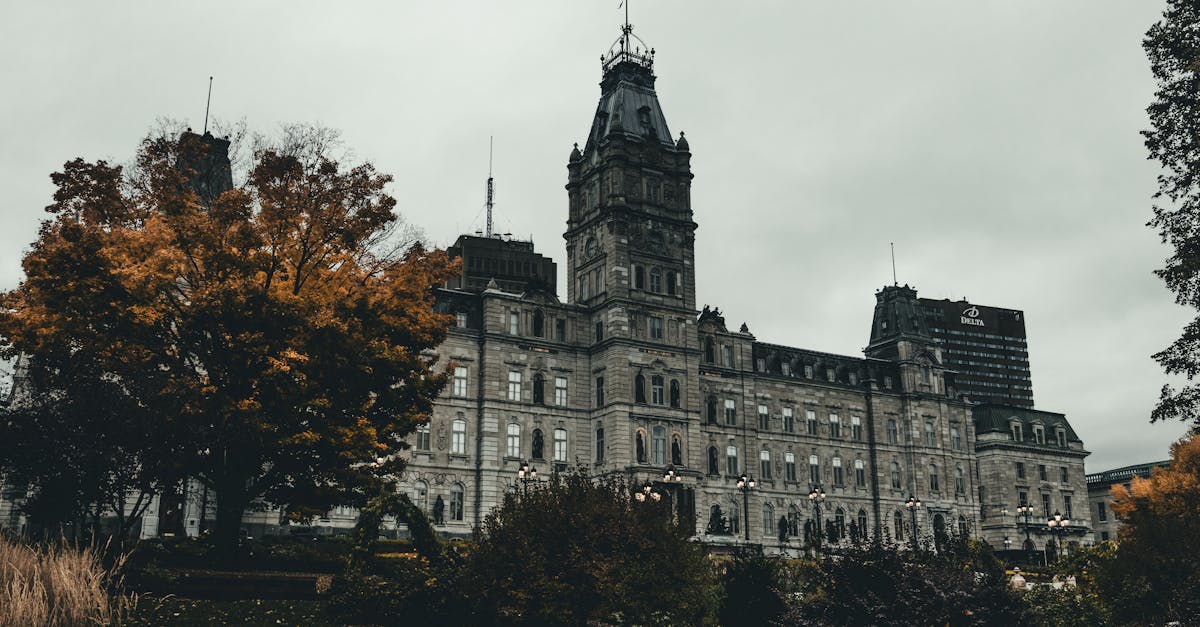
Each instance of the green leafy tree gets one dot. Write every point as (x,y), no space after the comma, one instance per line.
(756,588)
(273,329)
(1173,48)
(577,551)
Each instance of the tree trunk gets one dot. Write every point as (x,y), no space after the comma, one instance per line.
(231,505)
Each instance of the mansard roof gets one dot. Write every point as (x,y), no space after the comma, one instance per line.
(774,355)
(629,106)
(996,418)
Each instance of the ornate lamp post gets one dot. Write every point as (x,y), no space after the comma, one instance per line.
(816,496)
(1058,526)
(525,474)
(647,492)
(1026,511)
(913,504)
(746,484)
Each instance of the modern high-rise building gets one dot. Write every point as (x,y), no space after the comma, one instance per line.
(986,346)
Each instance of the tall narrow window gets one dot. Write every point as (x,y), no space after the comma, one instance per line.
(730,412)
(835,426)
(514,439)
(656,389)
(514,323)
(560,391)
(639,445)
(933,478)
(764,465)
(538,451)
(814,470)
(893,432)
(768,519)
(764,418)
(456,502)
(656,328)
(660,445)
(711,407)
(728,351)
(1062,474)
(514,385)
(560,330)
(856,431)
(675,393)
(789,464)
(714,467)
(811,419)
(860,474)
(789,420)
(599,331)
(862,524)
(709,351)
(539,324)
(930,434)
(731,460)
(423,437)
(1062,437)
(460,381)
(560,445)
(837,471)
(960,480)
(639,277)
(421,495)
(955,438)
(599,443)
(1045,504)
(672,286)
(1020,467)
(896,479)
(676,450)
(599,391)
(1042,472)
(458,437)
(639,389)
(539,391)
(656,280)
(898,525)
(460,320)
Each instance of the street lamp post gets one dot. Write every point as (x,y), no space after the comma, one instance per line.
(1058,526)
(746,484)
(1027,511)
(913,504)
(647,492)
(817,496)
(525,474)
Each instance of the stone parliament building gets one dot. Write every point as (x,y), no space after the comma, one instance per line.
(628,377)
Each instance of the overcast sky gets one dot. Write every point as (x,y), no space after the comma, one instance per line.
(996,143)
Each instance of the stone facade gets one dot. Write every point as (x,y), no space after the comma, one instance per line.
(1100,485)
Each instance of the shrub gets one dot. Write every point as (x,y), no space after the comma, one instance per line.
(58,585)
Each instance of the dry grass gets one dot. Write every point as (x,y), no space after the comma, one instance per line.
(58,585)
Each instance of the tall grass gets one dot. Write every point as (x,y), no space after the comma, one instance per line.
(58,585)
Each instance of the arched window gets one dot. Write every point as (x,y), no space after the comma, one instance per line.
(731,460)
(514,440)
(538,445)
(893,433)
(862,524)
(456,502)
(768,519)
(896,476)
(714,466)
(963,530)
(639,277)
(898,525)
(710,350)
(539,324)
(560,445)
(659,442)
(933,478)
(656,280)
(421,495)
(839,524)
(458,437)
(793,518)
(676,450)
(539,389)
(599,442)
(640,446)
(711,405)
(639,388)
(675,393)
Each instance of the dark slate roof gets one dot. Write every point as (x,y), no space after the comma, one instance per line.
(991,418)
(629,105)
(1124,474)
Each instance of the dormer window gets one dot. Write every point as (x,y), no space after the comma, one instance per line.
(1017,434)
(786,368)
(808,371)
(1061,435)
(1039,434)
(830,374)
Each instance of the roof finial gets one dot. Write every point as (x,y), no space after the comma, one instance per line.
(206,105)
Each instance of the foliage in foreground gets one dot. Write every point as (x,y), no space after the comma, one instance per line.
(57,585)
(756,586)
(876,584)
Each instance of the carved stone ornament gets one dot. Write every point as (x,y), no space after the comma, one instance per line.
(441,438)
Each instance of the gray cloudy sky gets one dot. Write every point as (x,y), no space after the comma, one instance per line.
(995,142)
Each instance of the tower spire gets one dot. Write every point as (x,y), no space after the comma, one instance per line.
(491,189)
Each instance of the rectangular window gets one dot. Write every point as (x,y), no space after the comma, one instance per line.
(764,418)
(728,352)
(1017,434)
(811,419)
(560,391)
(659,445)
(514,323)
(1101,512)
(786,369)
(830,375)
(1104,536)
(955,438)
(764,465)
(789,421)
(599,444)
(599,391)
(560,445)
(760,365)
(1042,472)
(1067,506)
(1062,474)
(814,470)
(730,412)
(835,426)
(860,474)
(930,434)
(731,460)
(856,431)
(458,437)
(1020,470)
(423,437)
(1046,505)
(1039,434)
(560,330)
(1022,498)
(514,385)
(514,439)
(460,381)
(657,392)
(1062,437)
(656,328)
(460,320)
(808,371)
(789,461)
(837,471)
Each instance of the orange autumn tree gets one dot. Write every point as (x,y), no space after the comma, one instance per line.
(1160,541)
(275,332)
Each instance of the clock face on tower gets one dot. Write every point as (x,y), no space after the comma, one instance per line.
(589,248)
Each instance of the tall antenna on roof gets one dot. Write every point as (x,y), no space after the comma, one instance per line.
(894,281)
(491,188)
(206,105)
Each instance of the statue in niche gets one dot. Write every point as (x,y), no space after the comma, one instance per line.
(439,509)
(641,447)
(676,451)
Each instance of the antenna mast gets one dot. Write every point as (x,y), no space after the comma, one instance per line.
(894,281)
(491,189)
(207,107)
